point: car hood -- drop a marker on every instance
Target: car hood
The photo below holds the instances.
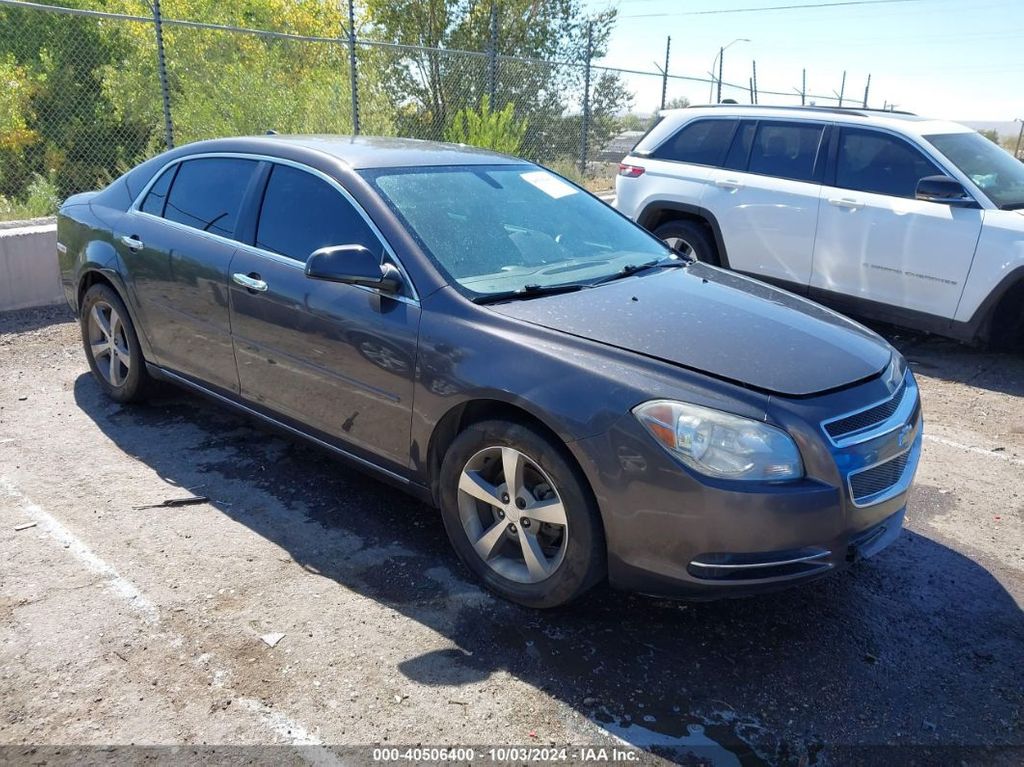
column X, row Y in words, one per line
column 719, row 323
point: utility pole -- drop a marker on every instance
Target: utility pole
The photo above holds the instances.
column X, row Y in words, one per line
column 664, row 72
column 353, row 75
column 867, row 88
column 161, row 65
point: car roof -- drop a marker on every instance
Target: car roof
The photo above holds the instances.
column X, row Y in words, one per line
column 362, row 152
column 902, row 122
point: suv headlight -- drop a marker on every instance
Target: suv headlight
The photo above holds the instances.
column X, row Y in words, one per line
column 720, row 444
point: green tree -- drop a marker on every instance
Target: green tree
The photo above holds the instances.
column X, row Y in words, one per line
column 485, row 128
column 992, row 135
column 428, row 88
column 679, row 102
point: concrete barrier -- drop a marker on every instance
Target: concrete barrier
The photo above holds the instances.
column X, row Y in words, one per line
column 29, row 273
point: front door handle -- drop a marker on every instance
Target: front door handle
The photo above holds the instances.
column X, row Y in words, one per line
column 132, row 242
column 846, row 202
column 728, row 183
column 250, row 282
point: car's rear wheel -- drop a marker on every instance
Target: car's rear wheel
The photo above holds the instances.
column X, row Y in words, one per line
column 688, row 238
column 112, row 345
column 520, row 516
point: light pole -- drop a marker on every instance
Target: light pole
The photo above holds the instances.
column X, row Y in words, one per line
column 719, row 62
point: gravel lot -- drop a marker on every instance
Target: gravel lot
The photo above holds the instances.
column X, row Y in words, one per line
column 143, row 626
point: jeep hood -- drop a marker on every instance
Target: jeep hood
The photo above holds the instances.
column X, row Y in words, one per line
column 720, row 323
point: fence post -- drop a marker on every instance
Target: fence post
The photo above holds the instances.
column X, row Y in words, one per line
column 161, row 67
column 492, row 57
column 721, row 56
column 803, row 89
column 753, row 78
column 586, row 100
column 867, row 88
column 353, row 74
column 842, row 89
column 664, row 72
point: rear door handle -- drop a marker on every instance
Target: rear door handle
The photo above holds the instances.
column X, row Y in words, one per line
column 132, row 242
column 728, row 183
column 250, row 282
column 846, row 202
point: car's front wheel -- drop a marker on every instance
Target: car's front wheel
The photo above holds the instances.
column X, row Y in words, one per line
column 688, row 238
column 112, row 345
column 520, row 516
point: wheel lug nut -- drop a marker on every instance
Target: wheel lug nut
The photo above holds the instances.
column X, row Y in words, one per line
column 521, row 503
column 524, row 522
column 504, row 497
column 501, row 514
column 511, row 528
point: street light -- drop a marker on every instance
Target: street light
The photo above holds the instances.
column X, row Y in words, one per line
column 719, row 61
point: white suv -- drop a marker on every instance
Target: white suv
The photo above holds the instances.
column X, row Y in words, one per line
column 879, row 214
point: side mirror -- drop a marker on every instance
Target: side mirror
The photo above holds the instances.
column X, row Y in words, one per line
column 943, row 189
column 353, row 265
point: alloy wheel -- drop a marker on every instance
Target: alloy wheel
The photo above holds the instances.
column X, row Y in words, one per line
column 512, row 514
column 680, row 246
column 108, row 344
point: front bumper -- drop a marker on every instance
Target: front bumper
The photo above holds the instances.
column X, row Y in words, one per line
column 671, row 532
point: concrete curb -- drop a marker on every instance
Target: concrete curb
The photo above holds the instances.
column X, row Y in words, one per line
column 29, row 272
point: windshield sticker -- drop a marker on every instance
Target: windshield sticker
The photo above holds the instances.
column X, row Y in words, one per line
column 552, row 186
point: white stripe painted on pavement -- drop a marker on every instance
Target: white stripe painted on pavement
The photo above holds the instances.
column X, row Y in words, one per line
column 974, row 449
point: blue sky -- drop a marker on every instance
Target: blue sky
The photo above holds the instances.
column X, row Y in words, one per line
column 952, row 59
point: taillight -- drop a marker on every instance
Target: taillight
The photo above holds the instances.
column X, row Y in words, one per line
column 630, row 171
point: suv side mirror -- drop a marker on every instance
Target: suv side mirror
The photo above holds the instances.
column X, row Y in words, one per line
column 943, row 189
column 352, row 265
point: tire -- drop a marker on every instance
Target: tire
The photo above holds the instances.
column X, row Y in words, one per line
column 573, row 553
column 689, row 238
column 119, row 367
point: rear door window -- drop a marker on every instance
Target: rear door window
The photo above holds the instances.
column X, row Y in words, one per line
column 157, row 194
column 871, row 161
column 787, row 150
column 739, row 152
column 207, row 193
column 702, row 142
column 302, row 213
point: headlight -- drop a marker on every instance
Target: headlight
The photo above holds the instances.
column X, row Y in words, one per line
column 720, row 444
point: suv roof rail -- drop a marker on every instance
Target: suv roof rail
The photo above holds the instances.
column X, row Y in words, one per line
column 862, row 111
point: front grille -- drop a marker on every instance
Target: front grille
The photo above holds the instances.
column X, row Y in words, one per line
column 878, row 479
column 866, row 419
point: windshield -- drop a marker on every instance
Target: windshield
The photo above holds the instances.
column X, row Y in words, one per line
column 497, row 229
column 999, row 175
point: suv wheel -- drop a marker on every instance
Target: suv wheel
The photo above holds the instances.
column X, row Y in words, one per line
column 112, row 346
column 688, row 238
column 520, row 516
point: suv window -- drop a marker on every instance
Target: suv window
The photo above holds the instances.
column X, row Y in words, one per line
column 157, row 194
column 207, row 193
column 302, row 213
column 740, row 149
column 786, row 150
column 702, row 142
column 870, row 161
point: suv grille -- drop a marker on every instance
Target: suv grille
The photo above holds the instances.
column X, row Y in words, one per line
column 865, row 419
column 879, row 478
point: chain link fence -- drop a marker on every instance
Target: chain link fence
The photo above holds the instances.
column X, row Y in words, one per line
column 85, row 95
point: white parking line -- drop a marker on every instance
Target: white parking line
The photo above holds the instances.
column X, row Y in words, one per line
column 292, row 732
column 123, row 587
column 975, row 449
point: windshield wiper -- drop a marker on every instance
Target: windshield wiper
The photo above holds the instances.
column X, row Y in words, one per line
column 670, row 262
column 530, row 291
